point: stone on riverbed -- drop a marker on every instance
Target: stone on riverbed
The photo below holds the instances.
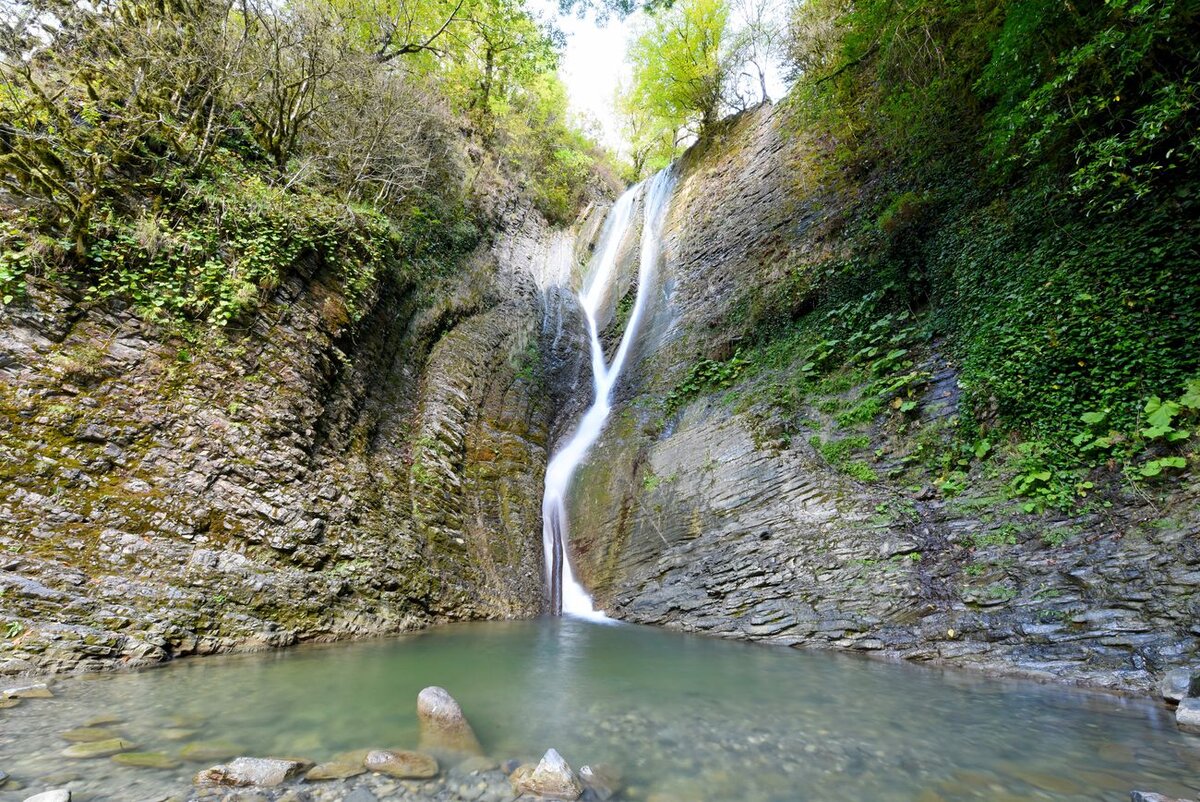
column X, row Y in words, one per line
column 400, row 764
column 59, row 795
column 201, row 751
column 443, row 725
column 146, row 760
column 3, row 778
column 265, row 772
column 335, row 770
column 7, row 703
column 602, row 780
column 552, row 778
column 94, row 749
column 1187, row 715
column 1147, row 796
column 89, row 734
column 1180, row 683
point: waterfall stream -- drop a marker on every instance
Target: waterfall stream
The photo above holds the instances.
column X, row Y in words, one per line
column 567, row 596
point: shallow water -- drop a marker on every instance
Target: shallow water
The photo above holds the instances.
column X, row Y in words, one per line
column 684, row 717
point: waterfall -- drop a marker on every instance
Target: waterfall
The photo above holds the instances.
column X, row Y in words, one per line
column 567, row 596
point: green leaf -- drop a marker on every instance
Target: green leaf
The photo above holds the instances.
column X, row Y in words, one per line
column 982, row 449
column 1093, row 417
column 1152, row 468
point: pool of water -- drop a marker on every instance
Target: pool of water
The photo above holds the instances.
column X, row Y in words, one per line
column 685, row 718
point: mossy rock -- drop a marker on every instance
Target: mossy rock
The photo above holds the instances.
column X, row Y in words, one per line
column 146, row 760
column 90, row 734
column 95, row 749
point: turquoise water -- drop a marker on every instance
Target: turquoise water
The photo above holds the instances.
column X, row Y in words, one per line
column 684, row 718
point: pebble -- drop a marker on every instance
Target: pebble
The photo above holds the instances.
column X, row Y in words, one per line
column 58, row 795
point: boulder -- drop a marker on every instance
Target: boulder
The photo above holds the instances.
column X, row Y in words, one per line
column 1180, row 683
column 1187, row 715
column 105, row 748
column 552, row 778
column 401, row 764
column 443, row 725
column 335, row 770
column 264, row 772
column 59, row 795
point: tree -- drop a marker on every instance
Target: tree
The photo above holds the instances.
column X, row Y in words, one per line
column 681, row 67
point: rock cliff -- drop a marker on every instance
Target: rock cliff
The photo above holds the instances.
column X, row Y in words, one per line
column 721, row 515
column 305, row 478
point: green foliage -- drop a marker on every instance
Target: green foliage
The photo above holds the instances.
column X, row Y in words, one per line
column 705, row 376
column 681, row 64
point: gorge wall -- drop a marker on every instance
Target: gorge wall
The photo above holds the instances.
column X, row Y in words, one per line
column 723, row 514
column 307, row 478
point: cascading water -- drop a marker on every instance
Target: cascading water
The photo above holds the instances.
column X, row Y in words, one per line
column 567, row 596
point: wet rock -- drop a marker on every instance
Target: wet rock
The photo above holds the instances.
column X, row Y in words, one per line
column 1187, row 715
column 1179, row 684
column 1147, row 796
column 35, row 690
column 94, row 749
column 552, row 778
column 604, row 781
column 476, row 765
column 7, row 703
column 3, row 778
column 444, row 727
column 146, row 760
column 59, row 795
column 179, row 734
column 401, row 764
column 104, row 720
column 201, row 751
column 335, row 771
column 264, row 772
column 89, row 734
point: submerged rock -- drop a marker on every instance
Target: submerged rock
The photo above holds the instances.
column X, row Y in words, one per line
column 89, row 734
column 94, row 749
column 444, row 727
column 335, row 770
column 3, row 778
column 1147, row 796
column 264, row 772
column 104, row 720
column 200, row 751
column 7, row 703
column 400, row 764
column 1179, row 684
column 602, row 780
column 552, row 778
column 1187, row 715
column 146, row 760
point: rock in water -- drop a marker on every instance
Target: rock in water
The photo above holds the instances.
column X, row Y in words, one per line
column 264, row 772
column 334, row 770
column 550, row 779
column 403, row 765
column 1187, row 715
column 209, row 750
column 60, row 795
column 1180, row 683
column 99, row 748
column 89, row 734
column 146, row 760
column 443, row 725
column 1147, row 796
column 602, row 780
column 35, row 690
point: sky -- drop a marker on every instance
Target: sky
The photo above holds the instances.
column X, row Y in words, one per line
column 593, row 65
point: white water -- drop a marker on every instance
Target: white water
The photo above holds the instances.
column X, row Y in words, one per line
column 567, row 595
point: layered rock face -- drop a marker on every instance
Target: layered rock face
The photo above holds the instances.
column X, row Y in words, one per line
column 303, row 479
column 709, row 518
